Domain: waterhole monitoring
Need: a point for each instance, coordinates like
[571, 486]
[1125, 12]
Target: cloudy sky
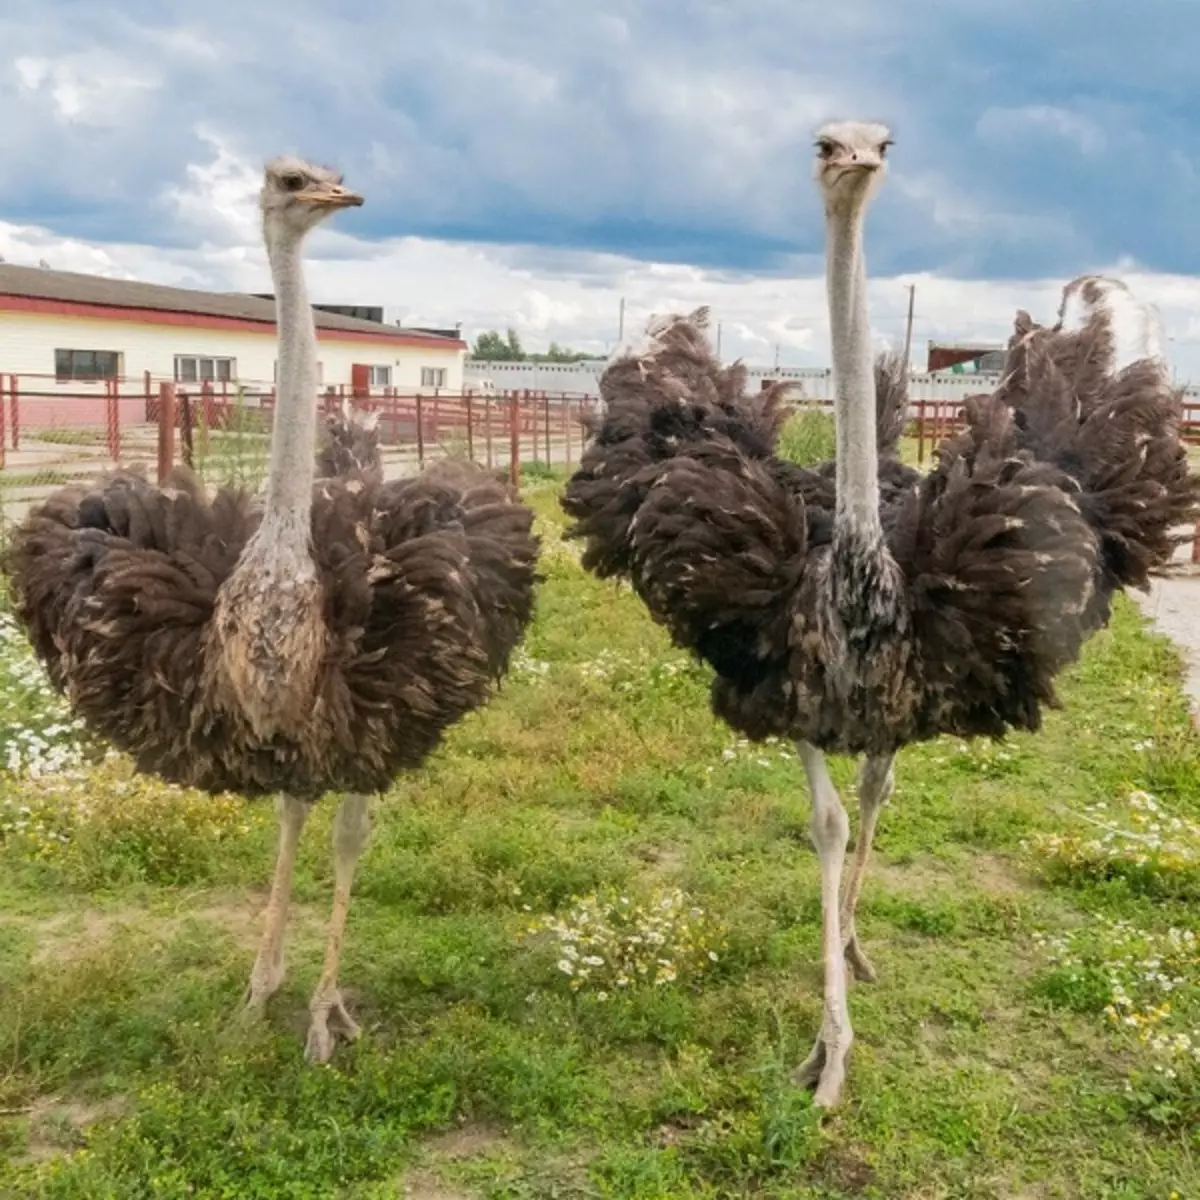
[530, 163]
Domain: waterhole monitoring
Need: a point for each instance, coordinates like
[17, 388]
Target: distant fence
[52, 432]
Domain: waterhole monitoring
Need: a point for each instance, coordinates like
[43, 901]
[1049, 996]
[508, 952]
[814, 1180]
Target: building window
[86, 364]
[380, 377]
[190, 368]
[433, 377]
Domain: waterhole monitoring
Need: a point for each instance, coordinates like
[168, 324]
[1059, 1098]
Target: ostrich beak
[858, 160]
[332, 195]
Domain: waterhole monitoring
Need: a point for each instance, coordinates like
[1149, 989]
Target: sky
[529, 164]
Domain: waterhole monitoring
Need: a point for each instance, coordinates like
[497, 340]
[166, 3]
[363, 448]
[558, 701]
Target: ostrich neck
[853, 375]
[293, 439]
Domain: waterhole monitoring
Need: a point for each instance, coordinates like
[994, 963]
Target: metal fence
[53, 432]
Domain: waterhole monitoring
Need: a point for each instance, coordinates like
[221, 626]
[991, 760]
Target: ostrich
[321, 640]
[859, 607]
[350, 444]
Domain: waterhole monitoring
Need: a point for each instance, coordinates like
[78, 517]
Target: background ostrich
[323, 639]
[350, 444]
[860, 606]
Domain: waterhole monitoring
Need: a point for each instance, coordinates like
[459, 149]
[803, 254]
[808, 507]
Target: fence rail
[52, 431]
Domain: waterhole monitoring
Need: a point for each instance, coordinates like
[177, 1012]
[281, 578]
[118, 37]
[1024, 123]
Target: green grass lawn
[1027, 1037]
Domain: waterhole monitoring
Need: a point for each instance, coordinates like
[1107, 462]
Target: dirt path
[1173, 605]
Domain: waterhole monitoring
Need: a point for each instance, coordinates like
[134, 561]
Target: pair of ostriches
[323, 638]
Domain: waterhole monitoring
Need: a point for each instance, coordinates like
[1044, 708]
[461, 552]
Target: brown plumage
[1008, 551]
[426, 585]
[350, 444]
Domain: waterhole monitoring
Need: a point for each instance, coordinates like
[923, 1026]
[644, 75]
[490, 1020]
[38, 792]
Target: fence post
[185, 424]
[487, 421]
[920, 432]
[470, 429]
[148, 394]
[14, 409]
[3, 395]
[533, 422]
[514, 449]
[567, 426]
[112, 417]
[549, 450]
[420, 433]
[166, 430]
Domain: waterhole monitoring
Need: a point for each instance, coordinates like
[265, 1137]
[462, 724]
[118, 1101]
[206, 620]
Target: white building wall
[28, 342]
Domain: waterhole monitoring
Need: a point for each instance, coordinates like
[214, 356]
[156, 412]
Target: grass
[596, 806]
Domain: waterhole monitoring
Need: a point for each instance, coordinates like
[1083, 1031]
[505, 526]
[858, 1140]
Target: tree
[494, 348]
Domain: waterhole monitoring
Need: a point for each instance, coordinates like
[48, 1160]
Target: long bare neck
[293, 440]
[853, 373]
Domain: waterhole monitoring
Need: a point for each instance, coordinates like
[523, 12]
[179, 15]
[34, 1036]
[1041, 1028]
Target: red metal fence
[49, 427]
[52, 431]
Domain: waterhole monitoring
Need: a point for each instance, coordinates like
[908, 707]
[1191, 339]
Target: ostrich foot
[825, 1067]
[330, 1021]
[266, 976]
[857, 960]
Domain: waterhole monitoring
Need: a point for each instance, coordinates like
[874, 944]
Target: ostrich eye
[883, 147]
[826, 148]
[292, 182]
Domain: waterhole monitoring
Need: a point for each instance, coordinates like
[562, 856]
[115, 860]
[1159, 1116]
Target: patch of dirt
[418, 1185]
[667, 860]
[992, 874]
[57, 1126]
[467, 1141]
[65, 937]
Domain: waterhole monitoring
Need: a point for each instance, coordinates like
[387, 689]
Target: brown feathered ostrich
[859, 607]
[350, 445]
[321, 640]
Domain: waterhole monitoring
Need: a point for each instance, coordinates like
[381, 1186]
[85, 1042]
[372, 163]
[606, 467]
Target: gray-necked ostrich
[323, 639]
[859, 606]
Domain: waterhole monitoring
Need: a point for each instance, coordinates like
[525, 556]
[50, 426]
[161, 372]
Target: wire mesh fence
[54, 432]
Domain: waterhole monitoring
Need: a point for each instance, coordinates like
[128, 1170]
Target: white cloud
[1007, 124]
[98, 89]
[574, 299]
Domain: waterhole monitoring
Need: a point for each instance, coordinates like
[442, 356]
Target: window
[433, 377]
[86, 364]
[191, 368]
[380, 377]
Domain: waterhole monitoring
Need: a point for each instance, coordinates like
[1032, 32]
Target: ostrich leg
[826, 1065]
[875, 785]
[330, 1019]
[267, 972]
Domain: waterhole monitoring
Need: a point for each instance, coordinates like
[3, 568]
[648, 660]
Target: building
[965, 357]
[72, 328]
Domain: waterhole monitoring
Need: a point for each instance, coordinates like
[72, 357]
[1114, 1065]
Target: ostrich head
[851, 159]
[297, 196]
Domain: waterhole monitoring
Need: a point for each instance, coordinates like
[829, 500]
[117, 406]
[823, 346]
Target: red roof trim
[159, 316]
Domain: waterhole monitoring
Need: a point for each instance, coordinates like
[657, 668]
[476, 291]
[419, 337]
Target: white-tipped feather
[1136, 326]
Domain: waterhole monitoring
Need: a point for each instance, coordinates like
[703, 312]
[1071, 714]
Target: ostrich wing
[1091, 396]
[424, 600]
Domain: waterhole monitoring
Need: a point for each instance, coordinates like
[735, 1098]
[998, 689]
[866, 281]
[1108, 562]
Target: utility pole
[776, 356]
[912, 291]
[621, 324]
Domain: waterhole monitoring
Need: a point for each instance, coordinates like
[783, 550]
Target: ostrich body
[322, 639]
[860, 606]
[350, 445]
